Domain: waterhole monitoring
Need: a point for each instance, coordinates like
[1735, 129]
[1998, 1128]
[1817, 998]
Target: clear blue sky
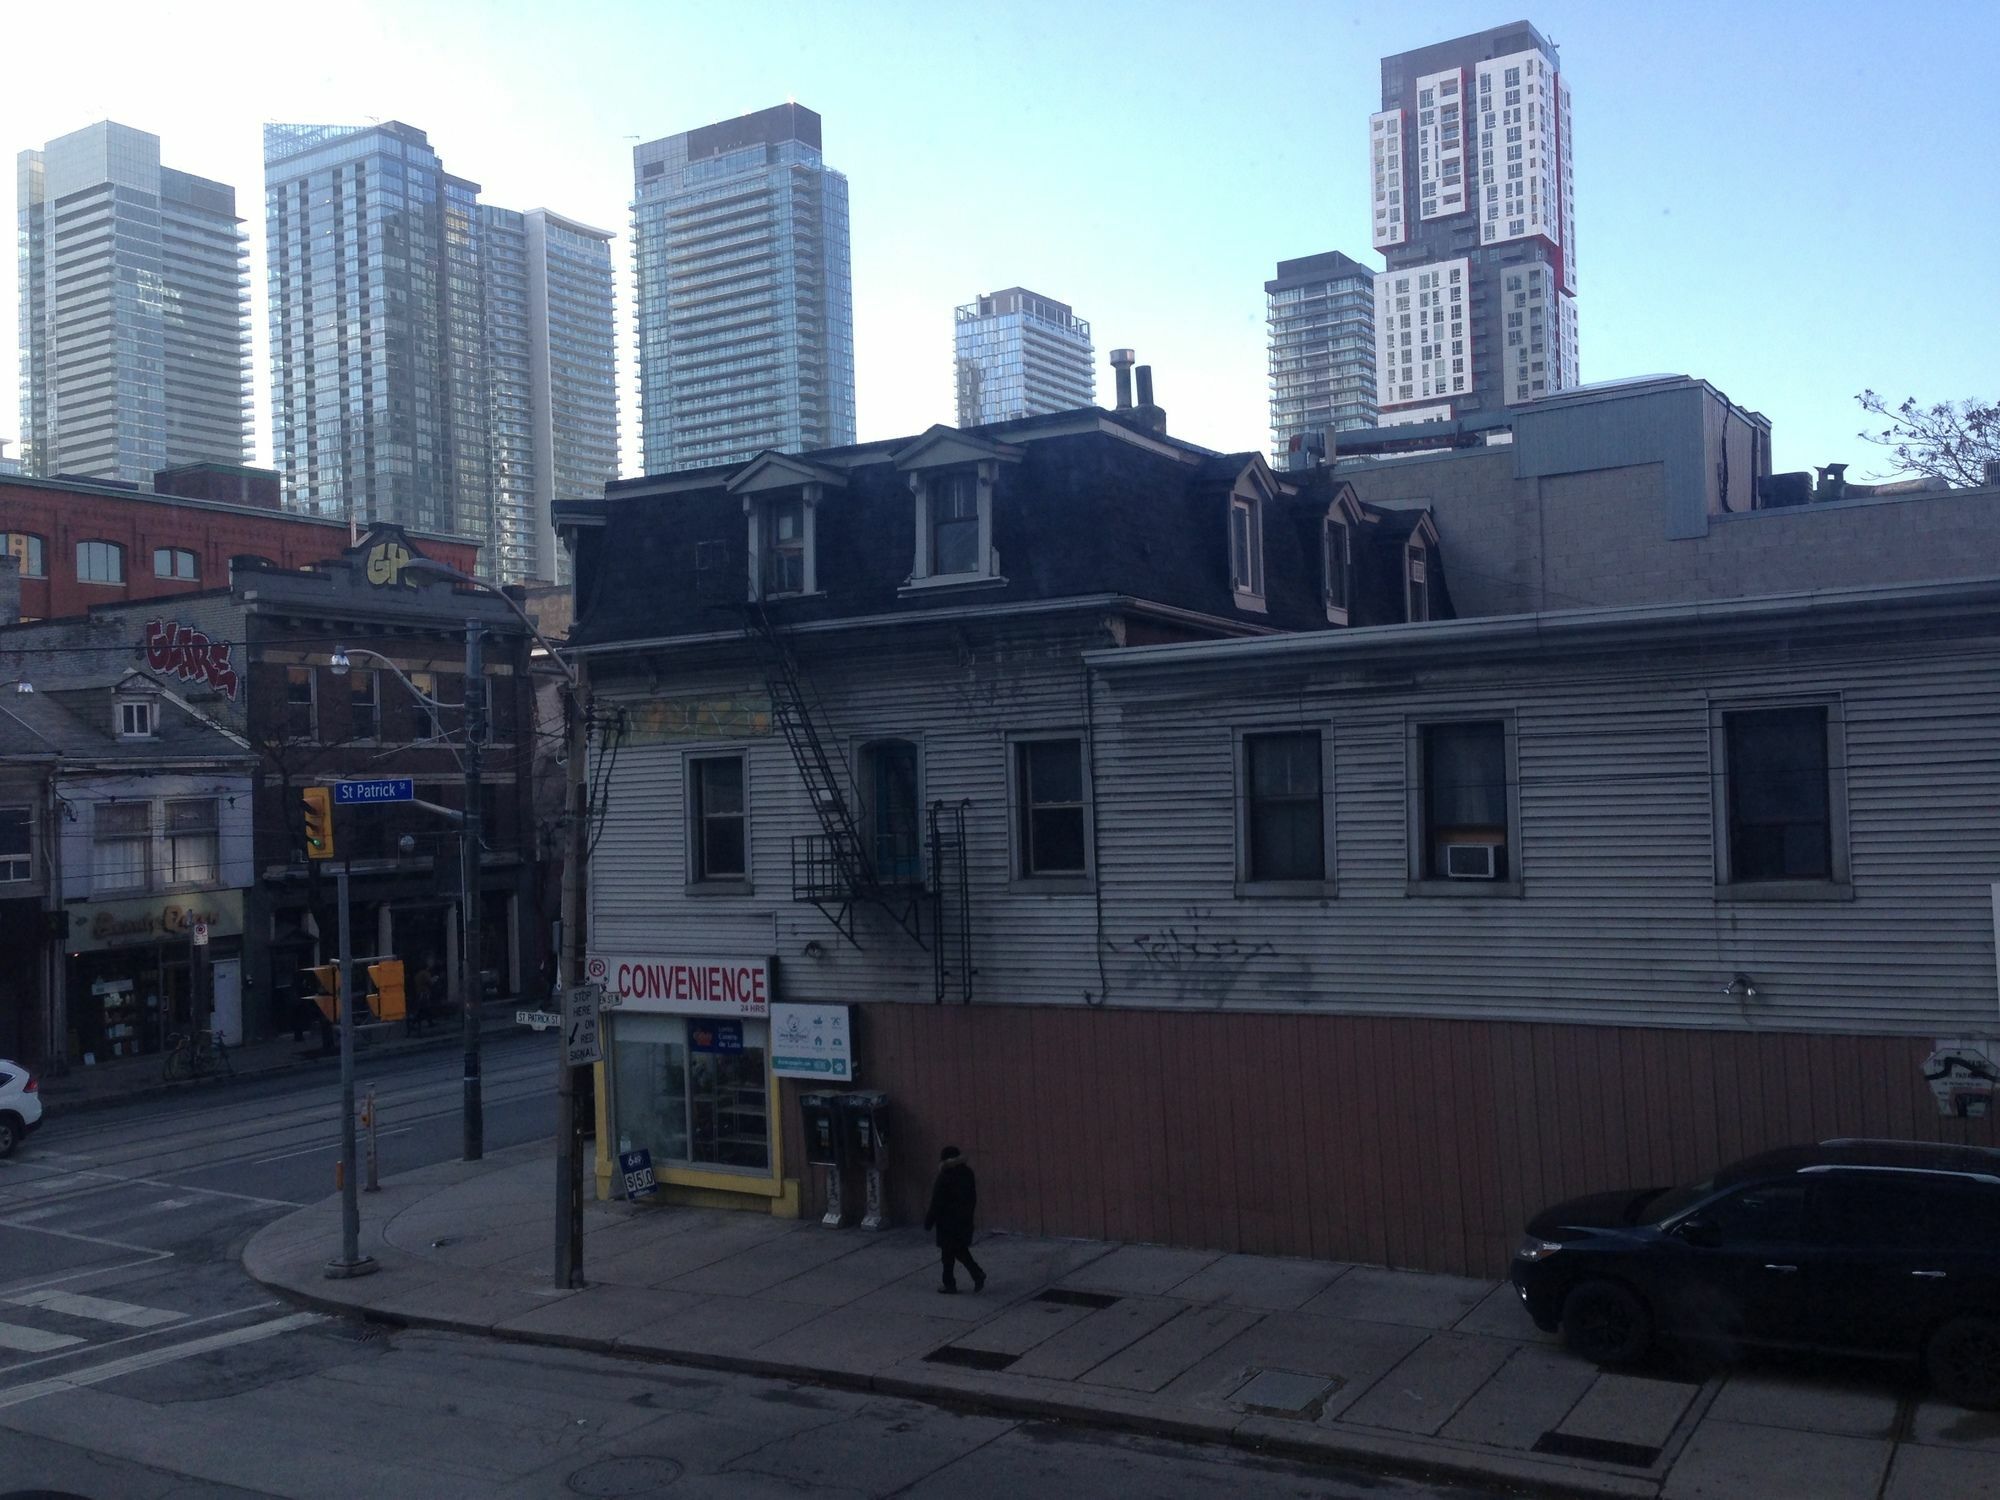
[1792, 200]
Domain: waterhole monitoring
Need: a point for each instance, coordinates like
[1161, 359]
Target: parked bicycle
[196, 1054]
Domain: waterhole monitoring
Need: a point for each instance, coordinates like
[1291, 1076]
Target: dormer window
[136, 720]
[952, 502]
[1336, 553]
[1417, 585]
[783, 553]
[953, 477]
[1246, 550]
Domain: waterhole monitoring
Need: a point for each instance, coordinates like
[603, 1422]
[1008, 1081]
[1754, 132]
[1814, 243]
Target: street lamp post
[569, 1139]
[471, 964]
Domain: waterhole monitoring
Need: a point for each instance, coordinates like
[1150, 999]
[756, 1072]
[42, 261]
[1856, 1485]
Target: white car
[20, 1105]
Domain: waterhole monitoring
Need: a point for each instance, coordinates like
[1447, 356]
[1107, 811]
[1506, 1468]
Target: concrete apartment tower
[745, 303]
[1020, 354]
[378, 339]
[135, 311]
[1475, 214]
[552, 380]
[1321, 311]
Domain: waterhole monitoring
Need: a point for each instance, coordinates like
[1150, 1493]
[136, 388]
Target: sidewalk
[122, 1080]
[1414, 1373]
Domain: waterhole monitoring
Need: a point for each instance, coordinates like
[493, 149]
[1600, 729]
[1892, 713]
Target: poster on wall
[812, 1041]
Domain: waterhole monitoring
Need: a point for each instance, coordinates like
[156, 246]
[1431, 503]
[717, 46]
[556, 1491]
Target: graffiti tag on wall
[184, 652]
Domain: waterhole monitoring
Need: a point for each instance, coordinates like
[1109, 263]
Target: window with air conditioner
[1464, 806]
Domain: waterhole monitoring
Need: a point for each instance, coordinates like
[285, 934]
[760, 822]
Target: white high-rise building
[1474, 211]
[745, 303]
[134, 318]
[1019, 354]
[552, 383]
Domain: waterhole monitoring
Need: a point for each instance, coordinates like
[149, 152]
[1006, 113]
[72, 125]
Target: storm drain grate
[970, 1359]
[1604, 1450]
[1069, 1298]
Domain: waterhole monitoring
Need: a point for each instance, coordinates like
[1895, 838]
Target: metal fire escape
[832, 869]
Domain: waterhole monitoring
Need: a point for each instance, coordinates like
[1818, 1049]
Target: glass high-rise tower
[1020, 354]
[745, 305]
[134, 315]
[378, 338]
[551, 378]
[1322, 323]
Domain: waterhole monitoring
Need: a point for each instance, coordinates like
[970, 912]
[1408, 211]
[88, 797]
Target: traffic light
[327, 996]
[386, 999]
[319, 821]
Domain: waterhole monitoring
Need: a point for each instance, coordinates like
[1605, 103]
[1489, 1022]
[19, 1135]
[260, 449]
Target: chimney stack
[1121, 361]
[1147, 413]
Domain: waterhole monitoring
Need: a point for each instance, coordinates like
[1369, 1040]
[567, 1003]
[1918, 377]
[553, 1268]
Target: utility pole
[352, 1262]
[575, 942]
[470, 965]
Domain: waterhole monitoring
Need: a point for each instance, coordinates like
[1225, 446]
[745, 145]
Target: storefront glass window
[692, 1091]
[122, 847]
[192, 857]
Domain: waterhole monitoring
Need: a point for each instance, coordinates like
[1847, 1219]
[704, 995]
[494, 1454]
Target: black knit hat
[950, 1153]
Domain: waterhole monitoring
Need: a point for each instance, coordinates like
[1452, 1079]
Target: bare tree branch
[1950, 440]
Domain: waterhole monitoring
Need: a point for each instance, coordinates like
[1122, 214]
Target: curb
[1387, 1455]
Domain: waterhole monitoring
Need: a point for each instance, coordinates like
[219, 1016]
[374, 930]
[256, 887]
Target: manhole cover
[624, 1476]
[1282, 1393]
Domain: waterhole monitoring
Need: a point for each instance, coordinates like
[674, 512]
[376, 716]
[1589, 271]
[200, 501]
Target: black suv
[1887, 1249]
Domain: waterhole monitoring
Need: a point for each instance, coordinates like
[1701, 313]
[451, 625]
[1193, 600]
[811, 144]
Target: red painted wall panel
[1421, 1143]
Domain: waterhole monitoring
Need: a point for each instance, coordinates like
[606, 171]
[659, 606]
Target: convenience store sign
[691, 986]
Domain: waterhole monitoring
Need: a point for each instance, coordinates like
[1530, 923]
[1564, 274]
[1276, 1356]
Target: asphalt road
[137, 1360]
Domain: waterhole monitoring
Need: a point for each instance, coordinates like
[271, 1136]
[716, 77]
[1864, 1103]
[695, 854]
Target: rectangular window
[420, 718]
[1419, 601]
[100, 562]
[121, 856]
[1053, 835]
[364, 706]
[1465, 801]
[193, 856]
[1246, 547]
[1336, 565]
[1779, 794]
[301, 704]
[954, 523]
[16, 844]
[1284, 816]
[175, 562]
[135, 721]
[716, 813]
[784, 548]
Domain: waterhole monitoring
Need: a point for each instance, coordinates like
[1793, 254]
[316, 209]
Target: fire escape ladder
[831, 869]
[951, 902]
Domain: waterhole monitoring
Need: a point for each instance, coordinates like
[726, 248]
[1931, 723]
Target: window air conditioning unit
[1470, 862]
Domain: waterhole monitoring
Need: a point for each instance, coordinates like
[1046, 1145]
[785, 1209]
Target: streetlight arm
[436, 569]
[340, 664]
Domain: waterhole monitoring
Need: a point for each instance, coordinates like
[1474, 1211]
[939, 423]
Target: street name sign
[380, 789]
[537, 1018]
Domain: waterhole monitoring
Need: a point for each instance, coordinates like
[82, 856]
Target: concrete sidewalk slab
[1423, 1374]
[1727, 1461]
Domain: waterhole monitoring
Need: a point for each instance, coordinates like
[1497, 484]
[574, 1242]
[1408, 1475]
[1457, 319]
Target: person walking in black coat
[953, 1197]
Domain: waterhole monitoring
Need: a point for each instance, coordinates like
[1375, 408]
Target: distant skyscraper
[135, 336]
[1474, 212]
[551, 361]
[378, 365]
[1020, 354]
[1322, 322]
[745, 305]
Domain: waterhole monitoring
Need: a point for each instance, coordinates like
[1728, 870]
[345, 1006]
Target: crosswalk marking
[99, 1309]
[33, 1340]
[15, 1395]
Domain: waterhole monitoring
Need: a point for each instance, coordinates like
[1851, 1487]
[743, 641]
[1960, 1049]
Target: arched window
[100, 562]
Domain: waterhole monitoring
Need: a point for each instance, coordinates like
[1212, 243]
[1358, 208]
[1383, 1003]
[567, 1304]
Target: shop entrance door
[226, 977]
